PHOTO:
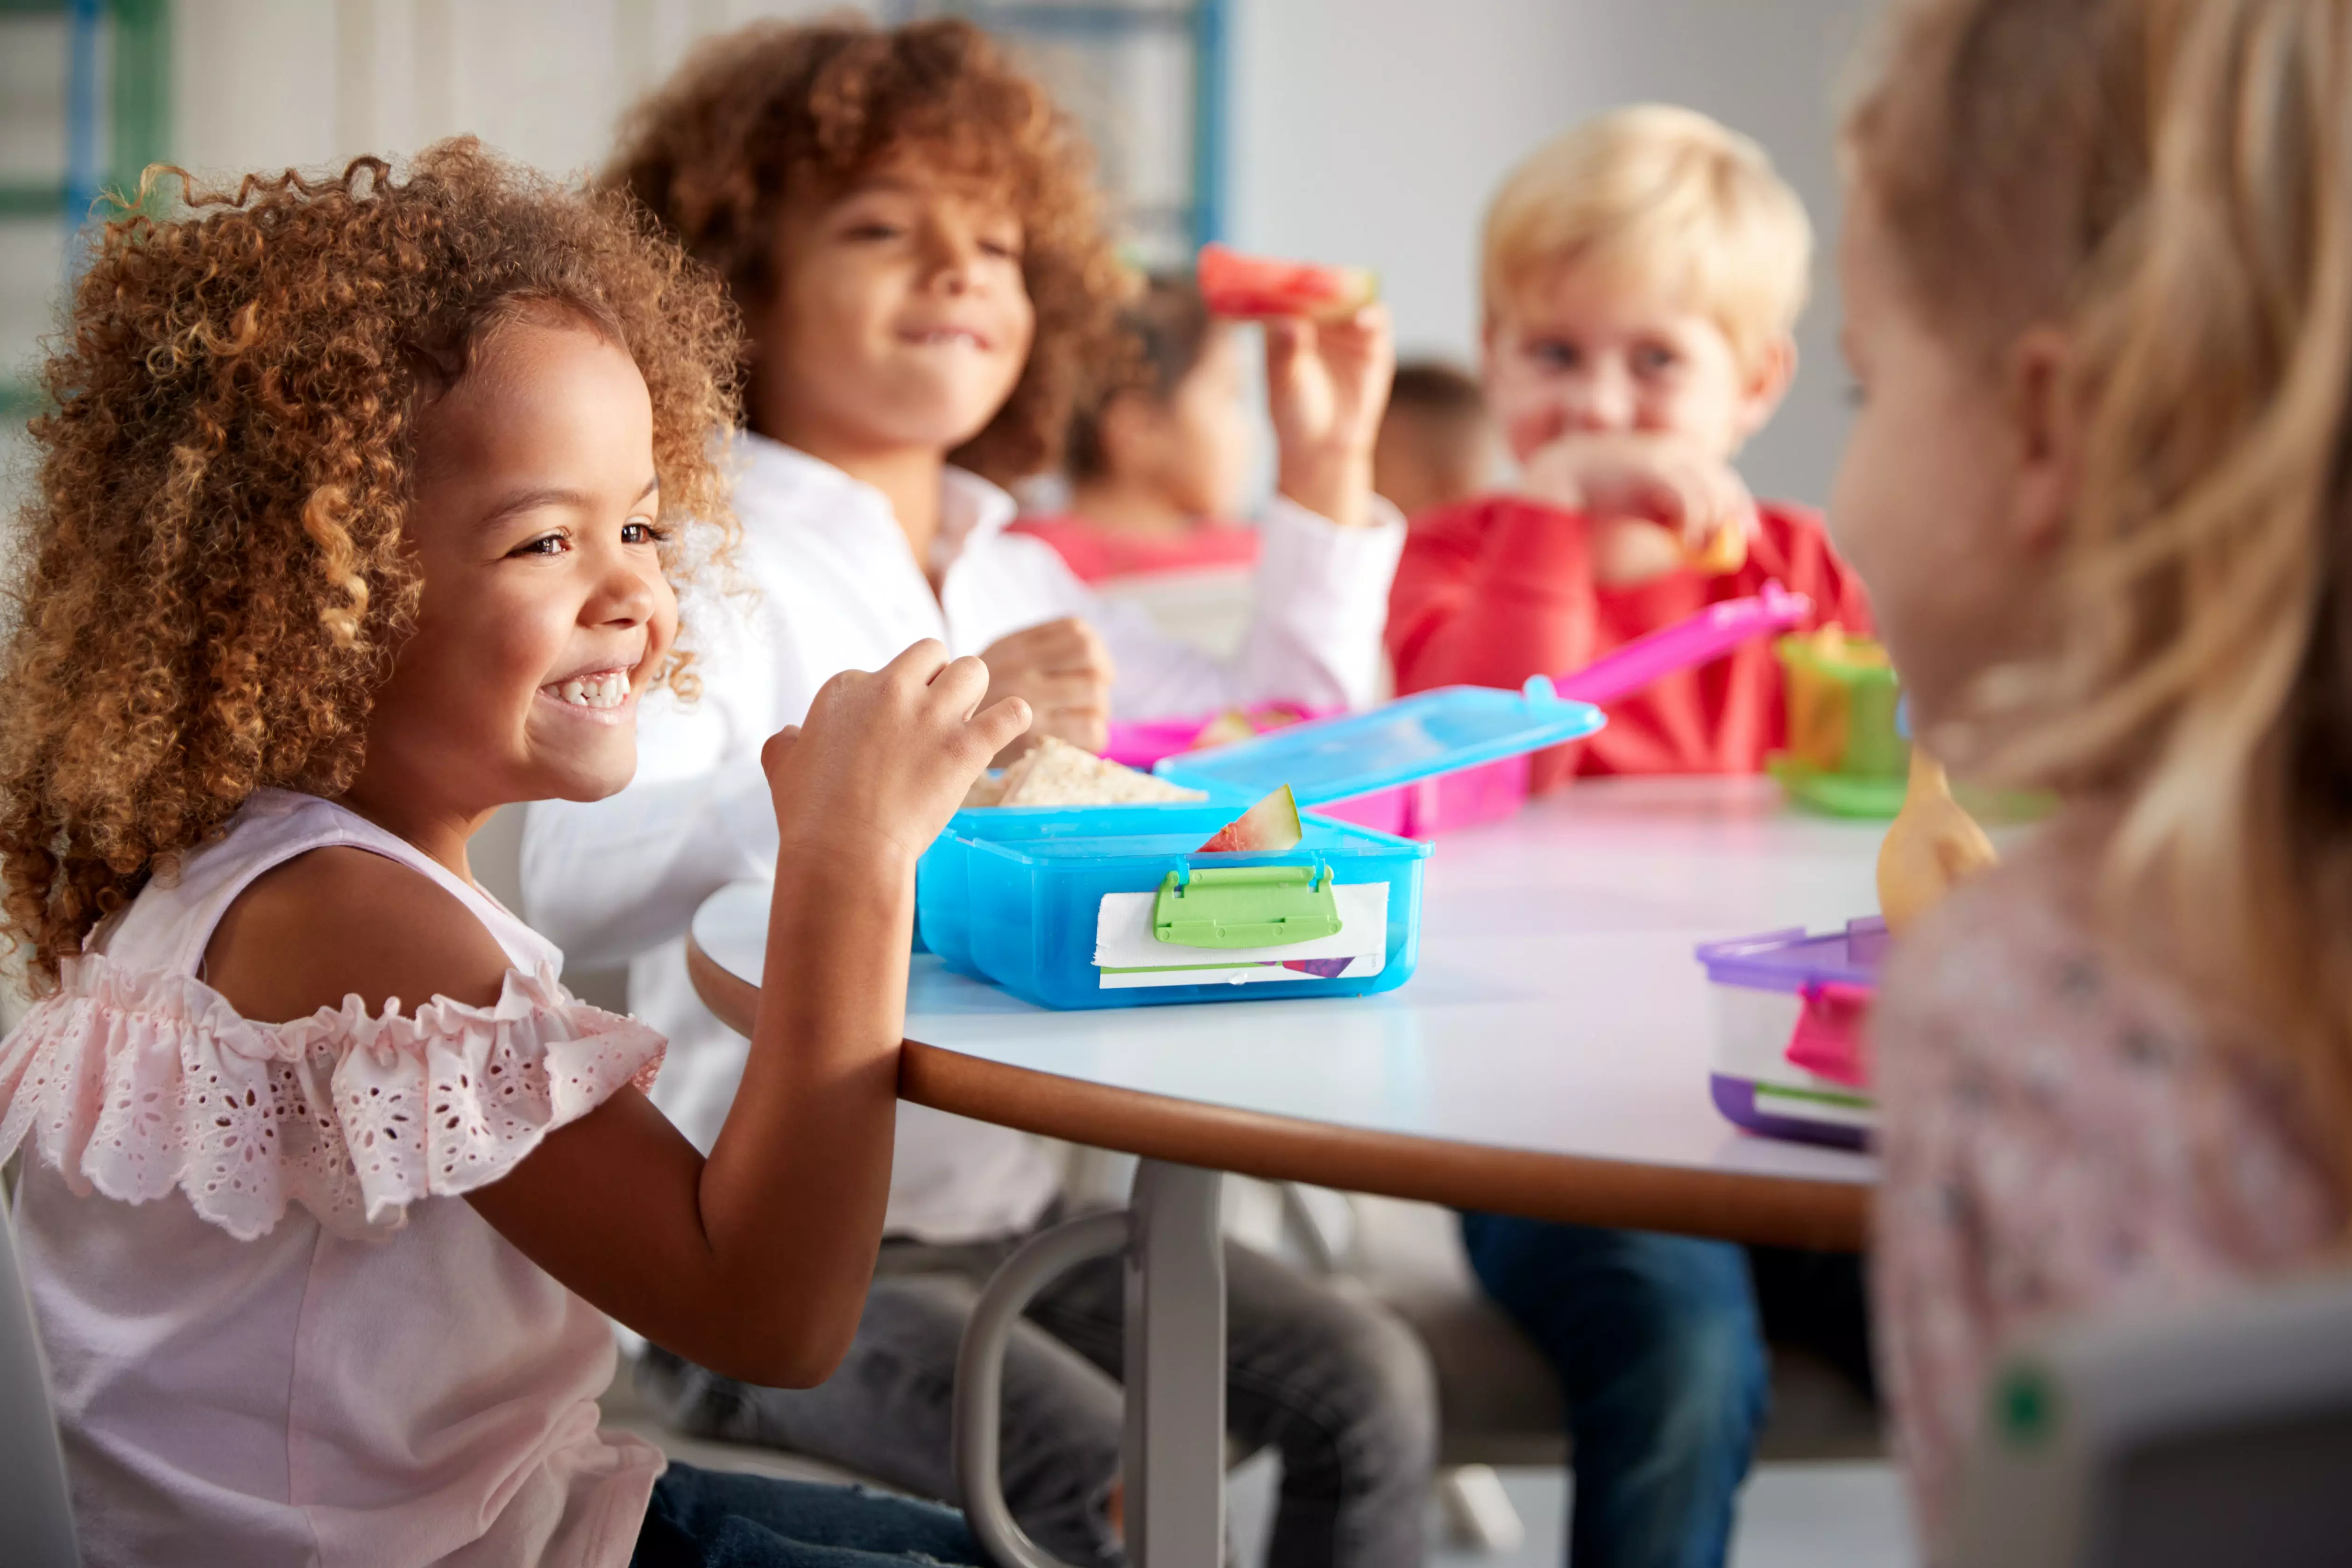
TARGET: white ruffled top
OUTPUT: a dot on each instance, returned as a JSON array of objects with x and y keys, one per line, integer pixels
[{"x": 275, "y": 1335}]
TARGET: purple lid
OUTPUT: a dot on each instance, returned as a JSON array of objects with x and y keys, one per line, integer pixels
[{"x": 1791, "y": 960}]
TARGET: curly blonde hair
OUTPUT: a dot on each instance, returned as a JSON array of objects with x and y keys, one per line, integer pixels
[
  {"x": 775, "y": 117},
  {"x": 2169, "y": 181},
  {"x": 210, "y": 580}
]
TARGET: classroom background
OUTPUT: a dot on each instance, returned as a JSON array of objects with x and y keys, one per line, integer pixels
[
  {"x": 1368, "y": 131},
  {"x": 1364, "y": 131}
]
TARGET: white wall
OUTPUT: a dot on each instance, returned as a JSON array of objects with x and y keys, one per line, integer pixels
[
  {"x": 1374, "y": 131},
  {"x": 1367, "y": 130}
]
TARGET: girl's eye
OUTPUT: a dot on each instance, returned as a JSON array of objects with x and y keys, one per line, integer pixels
[
  {"x": 1652, "y": 360},
  {"x": 555, "y": 544},
  {"x": 1002, "y": 249},
  {"x": 874, "y": 229},
  {"x": 637, "y": 531},
  {"x": 1553, "y": 355}
]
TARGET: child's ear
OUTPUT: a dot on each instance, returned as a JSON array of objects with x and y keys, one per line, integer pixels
[
  {"x": 1767, "y": 381},
  {"x": 2043, "y": 409}
]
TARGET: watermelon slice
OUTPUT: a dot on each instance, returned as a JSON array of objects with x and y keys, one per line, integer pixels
[
  {"x": 1271, "y": 825},
  {"x": 1257, "y": 286}
]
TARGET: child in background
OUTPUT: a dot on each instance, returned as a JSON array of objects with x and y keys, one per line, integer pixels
[
  {"x": 908, "y": 225},
  {"x": 1642, "y": 276},
  {"x": 1157, "y": 456},
  {"x": 352, "y": 523},
  {"x": 2098, "y": 314},
  {"x": 1437, "y": 441}
]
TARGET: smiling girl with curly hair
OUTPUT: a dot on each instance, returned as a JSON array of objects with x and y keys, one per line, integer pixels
[
  {"x": 908, "y": 225},
  {"x": 357, "y": 510}
]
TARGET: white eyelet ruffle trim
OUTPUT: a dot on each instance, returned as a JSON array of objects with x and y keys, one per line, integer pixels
[{"x": 134, "y": 1083}]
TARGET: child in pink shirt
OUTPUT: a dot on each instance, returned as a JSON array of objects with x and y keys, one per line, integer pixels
[
  {"x": 356, "y": 521},
  {"x": 2097, "y": 312},
  {"x": 1158, "y": 451}
]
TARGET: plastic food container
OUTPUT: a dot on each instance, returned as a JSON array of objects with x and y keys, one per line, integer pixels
[
  {"x": 1844, "y": 755},
  {"x": 1498, "y": 789},
  {"x": 1113, "y": 906},
  {"x": 1789, "y": 1058}
]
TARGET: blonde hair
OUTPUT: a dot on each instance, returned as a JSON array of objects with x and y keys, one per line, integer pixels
[
  {"x": 1654, "y": 191},
  {"x": 2171, "y": 183}
]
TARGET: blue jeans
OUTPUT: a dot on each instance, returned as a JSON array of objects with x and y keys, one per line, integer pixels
[
  {"x": 712, "y": 1519},
  {"x": 1661, "y": 1362}
]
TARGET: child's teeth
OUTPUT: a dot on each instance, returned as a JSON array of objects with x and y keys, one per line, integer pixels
[{"x": 608, "y": 690}]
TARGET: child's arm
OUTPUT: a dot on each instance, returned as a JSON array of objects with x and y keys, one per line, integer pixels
[
  {"x": 1490, "y": 592},
  {"x": 1327, "y": 385},
  {"x": 755, "y": 1261}
]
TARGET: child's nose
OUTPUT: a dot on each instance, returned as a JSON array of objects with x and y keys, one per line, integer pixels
[
  {"x": 1601, "y": 402},
  {"x": 950, "y": 258},
  {"x": 624, "y": 597}
]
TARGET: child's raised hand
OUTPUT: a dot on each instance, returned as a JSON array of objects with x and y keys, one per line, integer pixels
[
  {"x": 1064, "y": 672},
  {"x": 1697, "y": 508},
  {"x": 886, "y": 756},
  {"x": 1327, "y": 385}
]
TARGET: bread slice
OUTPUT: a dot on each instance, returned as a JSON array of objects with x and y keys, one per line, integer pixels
[{"x": 1054, "y": 773}]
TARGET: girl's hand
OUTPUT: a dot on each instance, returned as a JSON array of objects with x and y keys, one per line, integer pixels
[
  {"x": 1064, "y": 674},
  {"x": 1326, "y": 387},
  {"x": 1687, "y": 504},
  {"x": 886, "y": 757}
]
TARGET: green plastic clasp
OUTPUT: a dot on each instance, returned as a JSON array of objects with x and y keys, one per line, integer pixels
[{"x": 1245, "y": 906}]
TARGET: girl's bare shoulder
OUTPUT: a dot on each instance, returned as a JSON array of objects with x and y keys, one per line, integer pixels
[{"x": 341, "y": 922}]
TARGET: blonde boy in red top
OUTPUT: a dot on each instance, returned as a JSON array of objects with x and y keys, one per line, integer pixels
[
  {"x": 1642, "y": 273},
  {"x": 1642, "y": 277}
]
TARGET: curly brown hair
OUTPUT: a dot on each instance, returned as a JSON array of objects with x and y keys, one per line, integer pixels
[
  {"x": 211, "y": 581},
  {"x": 775, "y": 116}
]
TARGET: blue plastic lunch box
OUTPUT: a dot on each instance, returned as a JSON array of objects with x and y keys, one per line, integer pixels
[{"x": 1030, "y": 898}]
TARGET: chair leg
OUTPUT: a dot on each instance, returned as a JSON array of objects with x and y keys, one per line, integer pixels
[{"x": 1478, "y": 1512}]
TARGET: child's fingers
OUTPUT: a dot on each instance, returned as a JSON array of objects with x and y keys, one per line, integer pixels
[
  {"x": 1287, "y": 339},
  {"x": 918, "y": 663},
  {"x": 777, "y": 747},
  {"x": 960, "y": 685},
  {"x": 999, "y": 724}
]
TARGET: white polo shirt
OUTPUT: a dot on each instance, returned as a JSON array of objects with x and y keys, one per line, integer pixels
[{"x": 837, "y": 588}]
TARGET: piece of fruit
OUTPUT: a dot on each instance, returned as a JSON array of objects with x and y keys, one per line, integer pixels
[
  {"x": 1726, "y": 552},
  {"x": 1269, "y": 826},
  {"x": 1246, "y": 287},
  {"x": 1932, "y": 847}
]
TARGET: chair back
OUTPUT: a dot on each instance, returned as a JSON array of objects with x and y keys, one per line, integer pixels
[
  {"x": 2214, "y": 1434},
  {"x": 33, "y": 1499}
]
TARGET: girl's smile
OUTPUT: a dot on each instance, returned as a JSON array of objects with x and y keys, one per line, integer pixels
[
  {"x": 545, "y": 614},
  {"x": 599, "y": 696}
]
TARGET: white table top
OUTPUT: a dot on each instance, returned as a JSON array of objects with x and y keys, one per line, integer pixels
[{"x": 1557, "y": 1009}]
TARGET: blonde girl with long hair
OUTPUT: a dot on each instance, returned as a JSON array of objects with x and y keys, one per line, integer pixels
[{"x": 2098, "y": 280}]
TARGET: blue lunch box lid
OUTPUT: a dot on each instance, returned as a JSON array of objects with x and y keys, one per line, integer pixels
[
  {"x": 1400, "y": 743},
  {"x": 1793, "y": 961}
]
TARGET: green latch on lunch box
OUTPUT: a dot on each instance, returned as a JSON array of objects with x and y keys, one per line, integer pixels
[{"x": 1245, "y": 906}]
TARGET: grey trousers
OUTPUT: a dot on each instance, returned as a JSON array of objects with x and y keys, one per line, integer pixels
[{"x": 1314, "y": 1369}]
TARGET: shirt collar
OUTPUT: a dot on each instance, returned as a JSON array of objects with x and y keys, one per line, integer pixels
[{"x": 971, "y": 510}]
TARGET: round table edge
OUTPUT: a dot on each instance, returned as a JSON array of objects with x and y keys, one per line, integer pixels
[{"x": 1731, "y": 1206}]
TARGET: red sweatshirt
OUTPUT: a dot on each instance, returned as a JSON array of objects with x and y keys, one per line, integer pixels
[{"x": 1500, "y": 587}]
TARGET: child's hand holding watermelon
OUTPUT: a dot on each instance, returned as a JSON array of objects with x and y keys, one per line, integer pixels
[{"x": 1330, "y": 358}]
